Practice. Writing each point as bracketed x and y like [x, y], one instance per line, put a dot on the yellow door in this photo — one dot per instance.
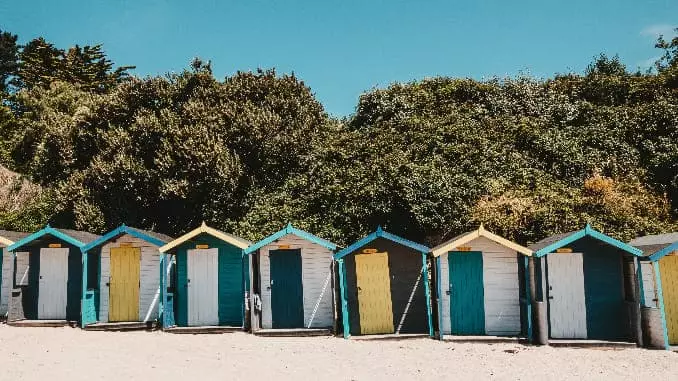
[123, 299]
[374, 293]
[668, 270]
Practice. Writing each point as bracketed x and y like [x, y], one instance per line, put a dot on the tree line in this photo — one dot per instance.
[250, 152]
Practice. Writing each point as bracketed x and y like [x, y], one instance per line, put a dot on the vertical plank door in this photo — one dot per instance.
[374, 293]
[124, 284]
[203, 284]
[668, 271]
[287, 292]
[53, 284]
[567, 300]
[467, 298]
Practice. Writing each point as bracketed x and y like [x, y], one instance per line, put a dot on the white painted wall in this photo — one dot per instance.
[149, 290]
[501, 288]
[316, 264]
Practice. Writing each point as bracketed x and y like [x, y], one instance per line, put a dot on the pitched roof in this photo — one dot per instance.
[154, 238]
[289, 229]
[470, 236]
[74, 237]
[379, 233]
[8, 237]
[554, 242]
[658, 245]
[233, 240]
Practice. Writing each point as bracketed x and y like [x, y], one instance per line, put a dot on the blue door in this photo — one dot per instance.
[467, 297]
[287, 296]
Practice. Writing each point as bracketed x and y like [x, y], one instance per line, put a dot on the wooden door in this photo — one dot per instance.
[203, 284]
[374, 293]
[467, 295]
[668, 272]
[567, 300]
[53, 284]
[124, 284]
[287, 292]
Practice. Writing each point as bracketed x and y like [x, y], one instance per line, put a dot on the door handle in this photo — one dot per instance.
[550, 297]
[40, 276]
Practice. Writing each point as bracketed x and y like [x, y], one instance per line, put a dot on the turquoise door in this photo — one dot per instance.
[287, 295]
[467, 298]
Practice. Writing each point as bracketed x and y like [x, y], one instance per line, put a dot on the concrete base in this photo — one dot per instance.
[591, 344]
[122, 326]
[42, 323]
[392, 336]
[298, 332]
[204, 330]
[486, 339]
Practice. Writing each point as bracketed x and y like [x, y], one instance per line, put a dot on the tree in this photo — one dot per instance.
[9, 57]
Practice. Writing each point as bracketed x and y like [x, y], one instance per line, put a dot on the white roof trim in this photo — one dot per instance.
[470, 236]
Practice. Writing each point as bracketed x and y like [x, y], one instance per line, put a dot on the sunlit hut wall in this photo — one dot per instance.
[384, 286]
[659, 289]
[208, 279]
[7, 268]
[122, 276]
[294, 280]
[480, 285]
[51, 289]
[585, 281]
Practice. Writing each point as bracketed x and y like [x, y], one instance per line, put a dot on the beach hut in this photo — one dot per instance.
[293, 280]
[586, 280]
[205, 279]
[121, 278]
[659, 288]
[48, 278]
[478, 290]
[384, 286]
[7, 268]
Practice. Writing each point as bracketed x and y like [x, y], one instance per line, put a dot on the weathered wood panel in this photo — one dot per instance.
[149, 285]
[501, 288]
[6, 286]
[316, 268]
[649, 288]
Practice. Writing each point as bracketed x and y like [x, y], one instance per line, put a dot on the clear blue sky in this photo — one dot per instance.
[343, 48]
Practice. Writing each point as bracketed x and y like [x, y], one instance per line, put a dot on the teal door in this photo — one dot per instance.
[467, 298]
[287, 295]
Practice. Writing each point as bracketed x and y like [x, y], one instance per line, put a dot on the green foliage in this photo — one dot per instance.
[9, 57]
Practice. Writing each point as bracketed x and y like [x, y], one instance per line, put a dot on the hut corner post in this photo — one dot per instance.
[660, 296]
[639, 300]
[163, 288]
[540, 317]
[439, 299]
[344, 302]
[528, 297]
[427, 289]
[83, 290]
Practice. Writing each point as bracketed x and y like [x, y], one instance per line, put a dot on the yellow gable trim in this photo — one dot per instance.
[481, 232]
[4, 241]
[207, 230]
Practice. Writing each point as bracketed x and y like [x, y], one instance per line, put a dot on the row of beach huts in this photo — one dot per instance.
[578, 286]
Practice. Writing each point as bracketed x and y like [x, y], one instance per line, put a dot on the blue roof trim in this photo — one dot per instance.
[289, 229]
[120, 230]
[48, 230]
[663, 252]
[379, 233]
[588, 231]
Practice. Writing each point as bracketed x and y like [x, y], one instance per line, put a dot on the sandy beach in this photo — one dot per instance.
[73, 354]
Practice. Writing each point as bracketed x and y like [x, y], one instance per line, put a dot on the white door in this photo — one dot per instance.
[203, 283]
[53, 284]
[567, 301]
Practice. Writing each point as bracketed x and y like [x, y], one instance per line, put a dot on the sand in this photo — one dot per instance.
[73, 354]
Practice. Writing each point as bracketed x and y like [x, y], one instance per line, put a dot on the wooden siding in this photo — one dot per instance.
[149, 289]
[649, 288]
[501, 288]
[316, 262]
[6, 276]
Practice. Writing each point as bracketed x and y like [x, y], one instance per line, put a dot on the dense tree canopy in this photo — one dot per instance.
[249, 153]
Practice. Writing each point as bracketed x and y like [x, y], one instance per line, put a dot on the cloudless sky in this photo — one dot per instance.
[343, 48]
